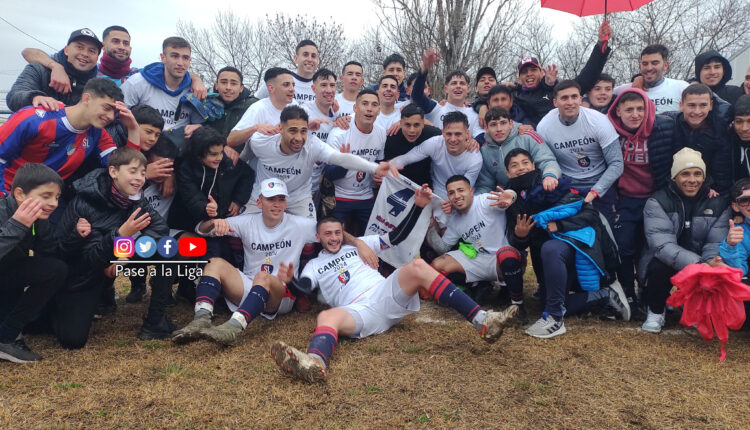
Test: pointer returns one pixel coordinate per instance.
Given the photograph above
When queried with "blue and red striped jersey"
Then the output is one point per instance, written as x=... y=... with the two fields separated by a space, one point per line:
x=35 y=135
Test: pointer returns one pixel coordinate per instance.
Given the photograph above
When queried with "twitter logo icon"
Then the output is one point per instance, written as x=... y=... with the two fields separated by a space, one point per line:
x=145 y=247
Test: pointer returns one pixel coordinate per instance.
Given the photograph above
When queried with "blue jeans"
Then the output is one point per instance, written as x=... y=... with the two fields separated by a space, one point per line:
x=629 y=235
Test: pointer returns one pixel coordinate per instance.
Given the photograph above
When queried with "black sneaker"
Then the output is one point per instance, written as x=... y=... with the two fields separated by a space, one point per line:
x=137 y=292
x=162 y=330
x=18 y=352
x=522 y=318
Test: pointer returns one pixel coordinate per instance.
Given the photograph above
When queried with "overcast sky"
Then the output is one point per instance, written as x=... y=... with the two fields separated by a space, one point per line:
x=150 y=22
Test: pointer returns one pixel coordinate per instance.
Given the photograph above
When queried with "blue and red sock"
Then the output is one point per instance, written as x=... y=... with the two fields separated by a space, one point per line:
x=510 y=269
x=207 y=291
x=447 y=294
x=254 y=303
x=323 y=343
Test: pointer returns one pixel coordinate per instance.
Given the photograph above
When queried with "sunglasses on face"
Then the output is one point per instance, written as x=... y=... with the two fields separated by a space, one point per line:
x=743 y=201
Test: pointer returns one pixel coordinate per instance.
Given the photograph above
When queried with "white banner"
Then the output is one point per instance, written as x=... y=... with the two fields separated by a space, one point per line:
x=395 y=200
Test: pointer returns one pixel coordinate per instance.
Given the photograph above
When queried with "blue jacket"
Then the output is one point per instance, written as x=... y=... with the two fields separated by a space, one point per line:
x=736 y=256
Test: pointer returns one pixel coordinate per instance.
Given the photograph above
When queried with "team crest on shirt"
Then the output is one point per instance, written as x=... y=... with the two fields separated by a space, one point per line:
x=40 y=113
x=70 y=149
x=583 y=160
x=361 y=176
x=344 y=276
x=267 y=267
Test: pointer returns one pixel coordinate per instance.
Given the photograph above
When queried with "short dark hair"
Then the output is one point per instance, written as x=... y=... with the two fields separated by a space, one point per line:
x=606 y=78
x=497 y=89
x=230 y=69
x=202 y=139
x=742 y=106
x=630 y=96
x=515 y=152
x=293 y=112
x=145 y=114
x=175 y=42
x=737 y=189
x=366 y=91
x=103 y=87
x=303 y=43
x=410 y=110
x=496 y=113
x=352 y=63
x=454 y=117
x=164 y=147
x=323 y=73
x=394 y=58
x=456 y=178
x=696 y=89
x=564 y=85
x=384 y=77
x=455 y=74
x=114 y=28
x=656 y=48
x=274 y=72
x=32 y=175
x=125 y=155
x=327 y=219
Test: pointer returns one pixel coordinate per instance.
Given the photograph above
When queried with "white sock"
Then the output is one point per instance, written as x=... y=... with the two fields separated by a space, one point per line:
x=240 y=319
x=203 y=306
x=478 y=320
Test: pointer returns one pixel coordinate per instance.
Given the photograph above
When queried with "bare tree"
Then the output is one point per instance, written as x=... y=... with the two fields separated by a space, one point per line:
x=370 y=50
x=468 y=33
x=686 y=27
x=286 y=32
x=230 y=41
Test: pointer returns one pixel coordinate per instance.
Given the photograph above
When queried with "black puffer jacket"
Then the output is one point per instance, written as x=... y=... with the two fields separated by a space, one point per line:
x=233 y=112
x=16 y=239
x=728 y=93
x=34 y=81
x=712 y=142
x=740 y=157
x=88 y=257
x=227 y=184
x=537 y=102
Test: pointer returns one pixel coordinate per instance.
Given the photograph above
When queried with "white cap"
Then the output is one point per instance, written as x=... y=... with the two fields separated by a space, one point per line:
x=273 y=187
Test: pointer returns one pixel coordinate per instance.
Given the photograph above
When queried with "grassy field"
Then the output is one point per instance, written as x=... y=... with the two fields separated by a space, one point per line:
x=431 y=371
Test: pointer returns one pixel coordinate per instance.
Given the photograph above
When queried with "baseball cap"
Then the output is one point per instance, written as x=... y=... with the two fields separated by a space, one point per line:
x=528 y=60
x=486 y=70
x=273 y=187
x=85 y=33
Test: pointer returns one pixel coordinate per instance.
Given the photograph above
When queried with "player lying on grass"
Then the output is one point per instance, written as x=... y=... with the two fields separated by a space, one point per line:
x=271 y=239
x=364 y=303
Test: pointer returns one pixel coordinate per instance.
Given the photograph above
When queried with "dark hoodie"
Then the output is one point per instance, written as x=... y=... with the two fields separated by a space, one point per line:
x=646 y=152
x=233 y=111
x=728 y=93
x=34 y=81
x=87 y=257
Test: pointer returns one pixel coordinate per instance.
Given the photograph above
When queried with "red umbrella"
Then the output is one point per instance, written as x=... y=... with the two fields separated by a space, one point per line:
x=593 y=7
x=712 y=300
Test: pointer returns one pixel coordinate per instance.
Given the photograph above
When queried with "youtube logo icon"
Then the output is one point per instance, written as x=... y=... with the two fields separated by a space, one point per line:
x=192 y=246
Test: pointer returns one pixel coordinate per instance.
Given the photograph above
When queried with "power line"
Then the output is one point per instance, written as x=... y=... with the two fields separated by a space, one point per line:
x=8 y=22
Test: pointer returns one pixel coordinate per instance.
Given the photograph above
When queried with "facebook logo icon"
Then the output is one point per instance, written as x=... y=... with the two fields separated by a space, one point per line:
x=167 y=247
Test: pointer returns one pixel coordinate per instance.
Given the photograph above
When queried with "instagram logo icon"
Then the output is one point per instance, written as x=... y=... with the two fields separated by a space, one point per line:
x=124 y=247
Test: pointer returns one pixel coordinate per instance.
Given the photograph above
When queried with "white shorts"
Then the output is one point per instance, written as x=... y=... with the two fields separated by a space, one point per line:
x=287 y=300
x=303 y=208
x=384 y=306
x=483 y=267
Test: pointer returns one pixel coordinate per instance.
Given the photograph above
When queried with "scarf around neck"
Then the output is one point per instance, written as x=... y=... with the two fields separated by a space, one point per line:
x=113 y=67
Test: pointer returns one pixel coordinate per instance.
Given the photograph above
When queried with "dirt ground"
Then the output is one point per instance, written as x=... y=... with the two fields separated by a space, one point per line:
x=431 y=371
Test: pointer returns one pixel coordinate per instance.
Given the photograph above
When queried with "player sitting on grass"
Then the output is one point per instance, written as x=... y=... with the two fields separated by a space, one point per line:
x=478 y=221
x=24 y=227
x=270 y=238
x=364 y=303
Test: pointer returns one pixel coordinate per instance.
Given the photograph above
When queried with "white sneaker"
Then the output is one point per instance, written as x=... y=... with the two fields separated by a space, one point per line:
x=546 y=328
x=654 y=322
